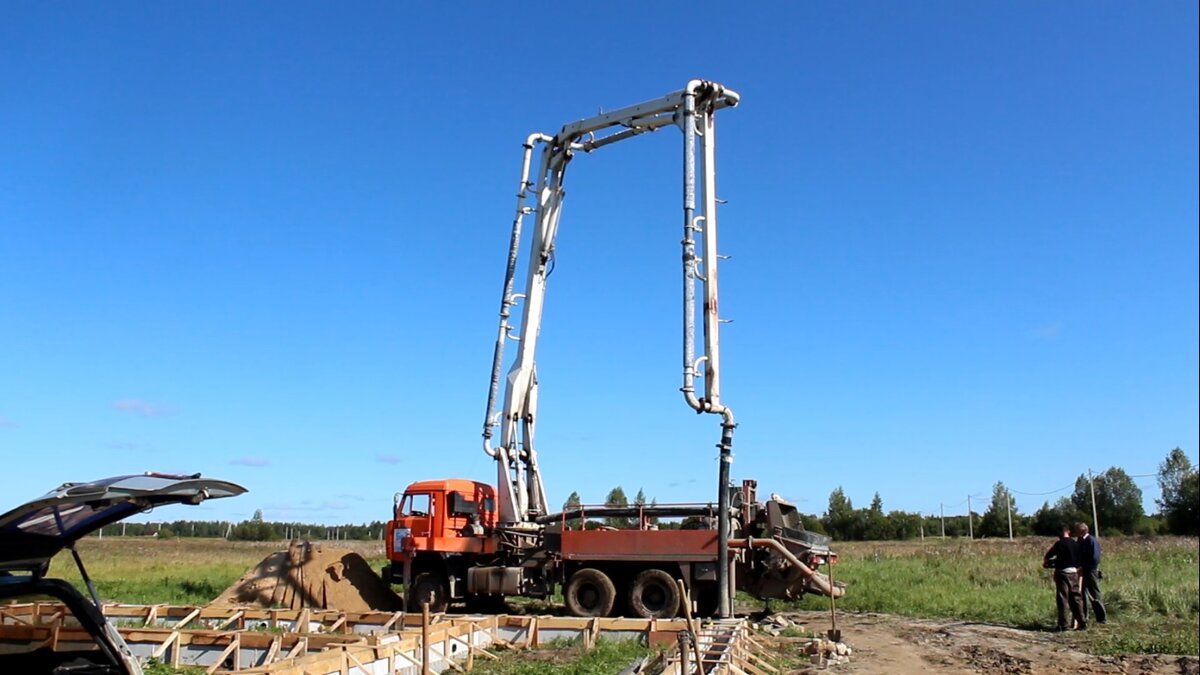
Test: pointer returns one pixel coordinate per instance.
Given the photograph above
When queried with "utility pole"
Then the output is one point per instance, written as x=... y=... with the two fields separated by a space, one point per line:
x=1095 y=518
x=970 y=520
x=942 y=507
x=921 y=521
x=1008 y=503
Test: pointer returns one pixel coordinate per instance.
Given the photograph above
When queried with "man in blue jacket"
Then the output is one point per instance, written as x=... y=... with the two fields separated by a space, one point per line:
x=1089 y=572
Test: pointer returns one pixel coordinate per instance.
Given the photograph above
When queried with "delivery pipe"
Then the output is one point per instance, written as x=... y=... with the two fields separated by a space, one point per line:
x=799 y=568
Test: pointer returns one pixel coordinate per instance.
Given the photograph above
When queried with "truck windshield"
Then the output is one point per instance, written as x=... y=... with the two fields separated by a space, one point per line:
x=414 y=505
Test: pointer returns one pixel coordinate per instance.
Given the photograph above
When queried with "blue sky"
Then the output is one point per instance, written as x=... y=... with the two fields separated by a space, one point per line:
x=265 y=242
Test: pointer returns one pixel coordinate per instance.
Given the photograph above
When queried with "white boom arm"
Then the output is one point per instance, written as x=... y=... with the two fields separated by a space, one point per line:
x=522 y=496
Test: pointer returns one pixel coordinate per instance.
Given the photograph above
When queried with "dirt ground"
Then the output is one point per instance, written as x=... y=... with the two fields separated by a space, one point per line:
x=892 y=645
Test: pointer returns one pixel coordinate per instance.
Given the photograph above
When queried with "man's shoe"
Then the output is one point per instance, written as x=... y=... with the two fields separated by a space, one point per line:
x=1082 y=626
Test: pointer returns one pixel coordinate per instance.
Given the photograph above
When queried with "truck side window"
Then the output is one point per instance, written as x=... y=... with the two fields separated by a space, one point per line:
x=415 y=505
x=461 y=506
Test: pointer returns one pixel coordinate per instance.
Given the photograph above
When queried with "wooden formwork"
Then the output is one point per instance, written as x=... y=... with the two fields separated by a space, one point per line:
x=328 y=642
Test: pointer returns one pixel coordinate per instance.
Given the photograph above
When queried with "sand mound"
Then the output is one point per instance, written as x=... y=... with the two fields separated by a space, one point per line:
x=312 y=575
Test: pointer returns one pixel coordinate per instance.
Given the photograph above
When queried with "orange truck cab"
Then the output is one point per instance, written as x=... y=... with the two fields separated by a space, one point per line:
x=439 y=525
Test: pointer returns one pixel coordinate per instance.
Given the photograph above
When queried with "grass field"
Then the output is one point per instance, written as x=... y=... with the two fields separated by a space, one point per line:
x=1151 y=586
x=175 y=571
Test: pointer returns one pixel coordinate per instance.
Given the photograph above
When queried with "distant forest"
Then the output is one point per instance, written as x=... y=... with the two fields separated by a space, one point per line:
x=1116 y=506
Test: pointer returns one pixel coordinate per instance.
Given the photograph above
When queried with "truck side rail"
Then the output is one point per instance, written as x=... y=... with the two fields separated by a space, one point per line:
x=583 y=511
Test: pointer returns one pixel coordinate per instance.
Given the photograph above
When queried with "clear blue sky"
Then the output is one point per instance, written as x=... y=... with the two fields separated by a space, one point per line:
x=264 y=241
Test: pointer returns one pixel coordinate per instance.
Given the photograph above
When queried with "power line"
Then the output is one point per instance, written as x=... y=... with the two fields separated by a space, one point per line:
x=1043 y=494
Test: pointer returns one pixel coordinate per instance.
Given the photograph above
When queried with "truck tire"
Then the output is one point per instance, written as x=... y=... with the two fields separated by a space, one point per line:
x=429 y=587
x=589 y=592
x=654 y=595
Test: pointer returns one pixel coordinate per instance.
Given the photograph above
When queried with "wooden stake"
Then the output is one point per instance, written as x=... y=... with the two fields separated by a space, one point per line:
x=425 y=670
x=692 y=626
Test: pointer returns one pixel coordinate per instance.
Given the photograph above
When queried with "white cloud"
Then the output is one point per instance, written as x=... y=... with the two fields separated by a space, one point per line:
x=138 y=406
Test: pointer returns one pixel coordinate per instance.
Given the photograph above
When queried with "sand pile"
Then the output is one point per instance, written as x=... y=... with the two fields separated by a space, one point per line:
x=312 y=575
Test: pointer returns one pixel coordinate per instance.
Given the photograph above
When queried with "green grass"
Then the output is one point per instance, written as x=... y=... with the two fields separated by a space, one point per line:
x=156 y=667
x=566 y=658
x=1150 y=587
x=175 y=571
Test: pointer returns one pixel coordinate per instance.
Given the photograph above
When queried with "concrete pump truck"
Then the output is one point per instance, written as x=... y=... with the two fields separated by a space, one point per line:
x=457 y=539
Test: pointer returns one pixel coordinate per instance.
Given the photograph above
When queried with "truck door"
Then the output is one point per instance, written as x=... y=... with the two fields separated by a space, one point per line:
x=415 y=514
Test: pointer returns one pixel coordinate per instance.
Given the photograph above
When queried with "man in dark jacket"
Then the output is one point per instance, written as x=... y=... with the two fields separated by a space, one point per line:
x=1089 y=572
x=1063 y=558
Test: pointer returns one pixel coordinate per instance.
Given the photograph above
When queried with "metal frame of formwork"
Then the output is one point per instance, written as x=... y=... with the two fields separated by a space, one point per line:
x=328 y=642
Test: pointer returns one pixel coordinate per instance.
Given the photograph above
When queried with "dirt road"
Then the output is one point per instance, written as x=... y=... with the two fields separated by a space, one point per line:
x=893 y=645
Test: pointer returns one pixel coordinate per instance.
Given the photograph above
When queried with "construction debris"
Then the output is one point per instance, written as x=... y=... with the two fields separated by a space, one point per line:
x=314 y=576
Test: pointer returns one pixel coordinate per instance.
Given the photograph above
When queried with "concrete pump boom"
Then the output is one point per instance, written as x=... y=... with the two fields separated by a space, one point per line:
x=521 y=495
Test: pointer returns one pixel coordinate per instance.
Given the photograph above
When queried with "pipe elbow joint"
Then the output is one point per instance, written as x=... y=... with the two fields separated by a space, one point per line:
x=536 y=137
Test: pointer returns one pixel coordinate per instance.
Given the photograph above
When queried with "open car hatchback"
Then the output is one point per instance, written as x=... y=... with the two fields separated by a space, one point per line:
x=33 y=533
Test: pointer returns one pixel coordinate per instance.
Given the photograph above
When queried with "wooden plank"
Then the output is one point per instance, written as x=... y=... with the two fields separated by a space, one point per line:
x=221 y=658
x=162 y=648
x=272 y=651
x=187 y=619
x=233 y=617
x=396 y=617
x=338 y=624
x=358 y=664
x=300 y=647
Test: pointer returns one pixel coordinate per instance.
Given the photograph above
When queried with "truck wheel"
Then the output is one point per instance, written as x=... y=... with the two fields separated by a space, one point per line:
x=428 y=587
x=590 y=592
x=654 y=595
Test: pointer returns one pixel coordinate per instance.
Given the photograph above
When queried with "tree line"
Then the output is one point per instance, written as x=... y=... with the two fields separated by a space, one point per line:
x=254 y=529
x=1111 y=497
x=1118 y=509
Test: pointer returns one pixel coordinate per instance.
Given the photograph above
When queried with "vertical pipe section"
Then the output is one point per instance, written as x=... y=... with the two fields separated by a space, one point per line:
x=712 y=352
x=688 y=124
x=712 y=341
x=506 y=297
x=711 y=402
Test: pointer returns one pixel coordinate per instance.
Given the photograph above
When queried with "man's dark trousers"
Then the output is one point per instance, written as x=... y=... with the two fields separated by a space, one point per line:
x=1067 y=595
x=1091 y=590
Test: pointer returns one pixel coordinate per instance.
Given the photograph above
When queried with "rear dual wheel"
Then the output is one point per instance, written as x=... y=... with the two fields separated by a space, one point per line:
x=589 y=592
x=654 y=595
